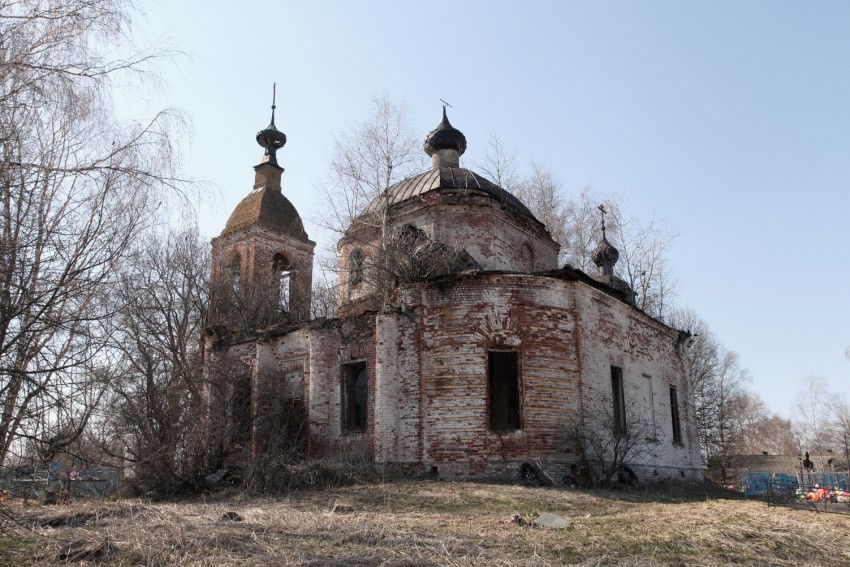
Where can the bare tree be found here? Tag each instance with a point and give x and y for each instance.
(644, 247)
(409, 255)
(499, 164)
(75, 190)
(542, 194)
(746, 412)
(573, 222)
(609, 444)
(249, 307)
(703, 354)
(727, 391)
(325, 296)
(840, 413)
(728, 388)
(776, 436)
(813, 415)
(156, 399)
(584, 228)
(367, 160)
(644, 261)
(730, 419)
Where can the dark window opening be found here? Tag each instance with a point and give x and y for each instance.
(355, 397)
(619, 400)
(240, 410)
(355, 266)
(504, 390)
(674, 415)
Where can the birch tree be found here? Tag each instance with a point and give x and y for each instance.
(813, 415)
(498, 164)
(76, 187)
(366, 161)
(573, 221)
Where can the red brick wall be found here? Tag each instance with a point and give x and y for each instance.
(257, 247)
(565, 346)
(450, 329)
(498, 239)
(613, 333)
(428, 364)
(345, 341)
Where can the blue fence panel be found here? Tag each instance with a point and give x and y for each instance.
(756, 483)
(826, 479)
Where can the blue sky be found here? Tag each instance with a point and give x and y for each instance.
(728, 120)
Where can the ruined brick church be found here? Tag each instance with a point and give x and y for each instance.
(488, 356)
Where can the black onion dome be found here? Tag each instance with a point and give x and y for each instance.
(605, 254)
(445, 137)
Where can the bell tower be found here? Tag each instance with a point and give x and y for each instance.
(263, 259)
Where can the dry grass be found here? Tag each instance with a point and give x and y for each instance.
(420, 523)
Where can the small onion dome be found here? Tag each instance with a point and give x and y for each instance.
(605, 256)
(445, 137)
(272, 140)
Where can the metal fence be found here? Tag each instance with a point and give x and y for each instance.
(756, 483)
(23, 482)
(821, 491)
(34, 483)
(759, 483)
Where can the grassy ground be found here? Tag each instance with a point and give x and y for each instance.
(422, 523)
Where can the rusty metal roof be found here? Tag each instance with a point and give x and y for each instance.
(446, 177)
(268, 208)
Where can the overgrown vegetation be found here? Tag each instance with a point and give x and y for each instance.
(609, 448)
(407, 255)
(424, 523)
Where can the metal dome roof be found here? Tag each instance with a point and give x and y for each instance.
(446, 177)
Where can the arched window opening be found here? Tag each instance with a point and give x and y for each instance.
(282, 273)
(527, 258)
(236, 273)
(355, 266)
